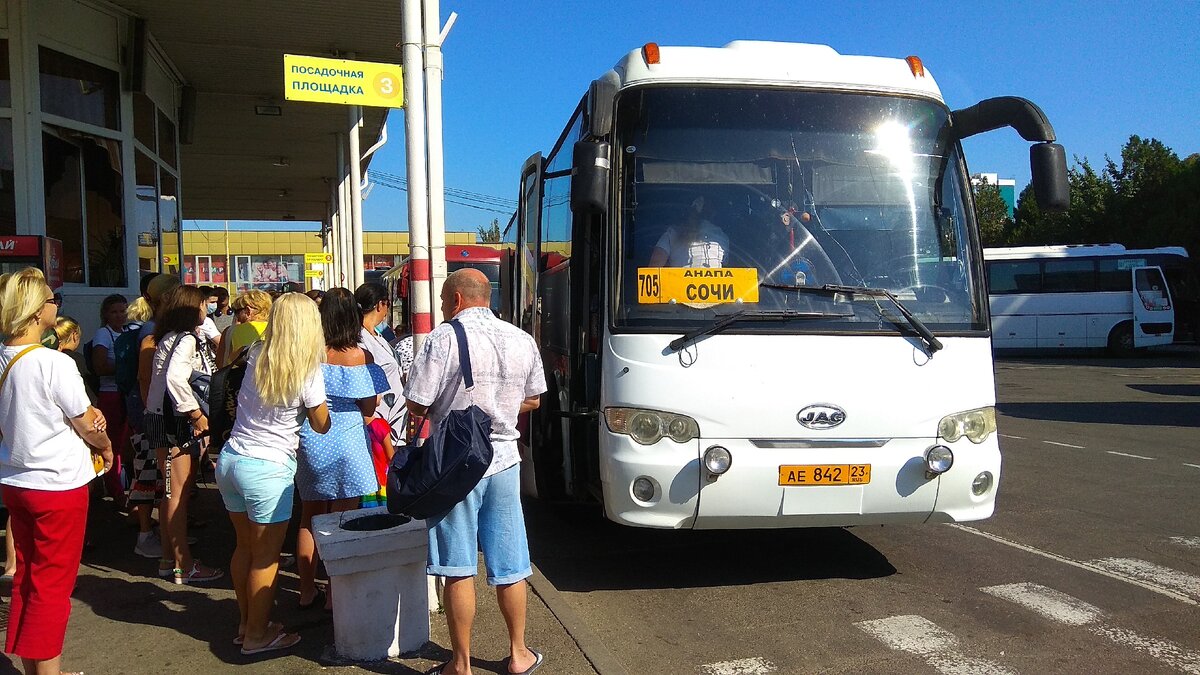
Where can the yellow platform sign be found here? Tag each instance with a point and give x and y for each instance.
(321, 80)
(318, 258)
(314, 274)
(697, 286)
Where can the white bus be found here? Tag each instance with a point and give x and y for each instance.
(1081, 296)
(757, 284)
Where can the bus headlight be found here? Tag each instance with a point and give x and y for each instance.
(938, 461)
(976, 425)
(717, 460)
(651, 426)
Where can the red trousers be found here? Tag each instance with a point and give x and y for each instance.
(47, 531)
(113, 407)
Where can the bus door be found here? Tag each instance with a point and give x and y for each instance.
(1153, 313)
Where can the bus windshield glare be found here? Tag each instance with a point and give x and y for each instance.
(732, 197)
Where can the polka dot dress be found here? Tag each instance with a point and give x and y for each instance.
(337, 464)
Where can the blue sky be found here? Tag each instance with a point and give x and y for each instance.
(1101, 71)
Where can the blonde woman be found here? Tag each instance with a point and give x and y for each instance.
(45, 466)
(257, 466)
(250, 311)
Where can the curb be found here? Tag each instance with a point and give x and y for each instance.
(603, 661)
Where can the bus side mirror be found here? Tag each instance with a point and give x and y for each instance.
(589, 177)
(1048, 165)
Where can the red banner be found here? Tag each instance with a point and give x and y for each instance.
(20, 246)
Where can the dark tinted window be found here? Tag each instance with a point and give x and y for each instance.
(1021, 276)
(79, 90)
(1068, 276)
(1112, 275)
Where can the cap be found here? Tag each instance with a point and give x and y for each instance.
(159, 286)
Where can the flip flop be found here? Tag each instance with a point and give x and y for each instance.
(318, 597)
(280, 642)
(270, 624)
(538, 660)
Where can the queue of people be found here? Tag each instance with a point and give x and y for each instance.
(321, 409)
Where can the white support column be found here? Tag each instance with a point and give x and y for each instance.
(356, 231)
(342, 256)
(414, 141)
(434, 161)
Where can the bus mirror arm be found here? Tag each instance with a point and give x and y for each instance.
(1047, 159)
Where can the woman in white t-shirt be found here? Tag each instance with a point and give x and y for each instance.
(375, 306)
(50, 433)
(257, 467)
(104, 364)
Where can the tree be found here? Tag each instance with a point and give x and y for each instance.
(991, 213)
(489, 234)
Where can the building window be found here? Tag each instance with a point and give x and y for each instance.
(79, 90)
(145, 214)
(166, 140)
(168, 220)
(8, 191)
(61, 167)
(5, 79)
(143, 121)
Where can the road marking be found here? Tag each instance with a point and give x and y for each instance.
(1189, 542)
(1019, 438)
(1126, 454)
(1194, 466)
(1065, 445)
(1065, 609)
(921, 637)
(754, 666)
(1161, 590)
(1166, 577)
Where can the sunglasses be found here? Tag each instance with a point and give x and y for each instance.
(57, 302)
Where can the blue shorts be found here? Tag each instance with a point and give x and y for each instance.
(488, 520)
(259, 488)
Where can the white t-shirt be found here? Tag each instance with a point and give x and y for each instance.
(40, 449)
(706, 248)
(106, 337)
(385, 357)
(208, 330)
(506, 367)
(271, 432)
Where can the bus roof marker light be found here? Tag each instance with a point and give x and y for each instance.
(650, 53)
(915, 65)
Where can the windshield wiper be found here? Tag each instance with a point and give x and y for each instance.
(745, 315)
(931, 342)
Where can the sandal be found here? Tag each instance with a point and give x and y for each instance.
(239, 640)
(319, 596)
(197, 575)
(538, 660)
(281, 641)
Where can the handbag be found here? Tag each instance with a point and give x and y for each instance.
(199, 380)
(427, 480)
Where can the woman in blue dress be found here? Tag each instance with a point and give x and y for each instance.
(335, 469)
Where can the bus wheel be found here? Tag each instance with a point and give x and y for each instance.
(1120, 339)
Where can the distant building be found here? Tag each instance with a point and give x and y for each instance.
(1008, 188)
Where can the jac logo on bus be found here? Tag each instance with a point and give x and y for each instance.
(697, 286)
(821, 416)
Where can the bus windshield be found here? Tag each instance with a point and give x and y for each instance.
(732, 197)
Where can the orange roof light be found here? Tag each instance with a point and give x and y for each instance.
(650, 53)
(915, 65)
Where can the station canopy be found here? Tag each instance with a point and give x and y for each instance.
(244, 163)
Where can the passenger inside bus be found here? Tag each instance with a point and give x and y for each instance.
(696, 242)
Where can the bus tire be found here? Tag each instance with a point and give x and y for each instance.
(548, 451)
(1120, 339)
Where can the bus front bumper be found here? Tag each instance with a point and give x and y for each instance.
(749, 495)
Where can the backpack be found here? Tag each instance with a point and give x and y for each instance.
(428, 480)
(223, 391)
(125, 358)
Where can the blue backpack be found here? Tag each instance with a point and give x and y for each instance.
(428, 480)
(125, 358)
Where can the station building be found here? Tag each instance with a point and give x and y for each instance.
(119, 119)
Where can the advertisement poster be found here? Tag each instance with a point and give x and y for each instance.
(53, 262)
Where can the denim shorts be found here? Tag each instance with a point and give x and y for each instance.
(259, 488)
(488, 520)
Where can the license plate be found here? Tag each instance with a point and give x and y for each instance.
(825, 474)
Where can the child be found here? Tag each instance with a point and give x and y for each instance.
(68, 335)
(382, 450)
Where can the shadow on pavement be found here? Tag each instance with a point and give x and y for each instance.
(1134, 413)
(578, 550)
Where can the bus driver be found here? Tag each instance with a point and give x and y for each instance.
(695, 243)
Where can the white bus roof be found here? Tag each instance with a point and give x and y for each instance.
(1076, 251)
(776, 64)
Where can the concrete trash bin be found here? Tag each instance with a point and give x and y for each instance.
(376, 564)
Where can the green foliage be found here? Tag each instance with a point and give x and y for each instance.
(1149, 198)
(991, 213)
(489, 234)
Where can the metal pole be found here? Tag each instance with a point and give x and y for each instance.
(342, 256)
(228, 260)
(434, 162)
(356, 232)
(414, 142)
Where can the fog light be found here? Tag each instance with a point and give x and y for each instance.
(938, 460)
(643, 489)
(981, 484)
(717, 460)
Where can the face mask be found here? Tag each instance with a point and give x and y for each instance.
(381, 327)
(212, 308)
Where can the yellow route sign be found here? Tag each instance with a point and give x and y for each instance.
(321, 80)
(314, 274)
(318, 258)
(697, 286)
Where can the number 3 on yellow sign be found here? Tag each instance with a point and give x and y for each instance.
(387, 85)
